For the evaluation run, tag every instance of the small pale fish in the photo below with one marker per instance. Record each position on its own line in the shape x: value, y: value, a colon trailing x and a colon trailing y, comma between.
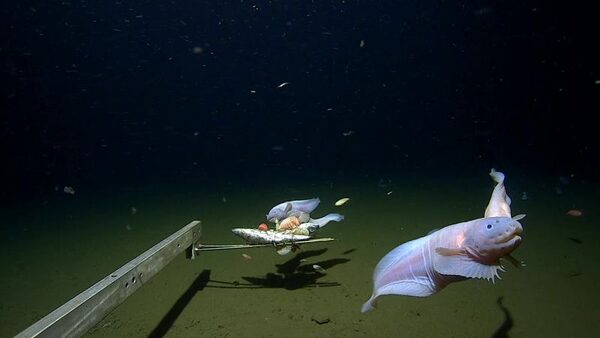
x: 575, y: 213
x: 283, y: 85
x: 322, y: 221
x: 285, y: 209
x: 473, y: 249
x: 246, y: 257
x: 284, y: 250
x: 342, y: 201
x: 319, y: 269
x: 69, y: 190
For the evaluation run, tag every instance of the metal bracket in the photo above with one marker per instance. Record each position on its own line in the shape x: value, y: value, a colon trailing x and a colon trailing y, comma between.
x: 78, y: 315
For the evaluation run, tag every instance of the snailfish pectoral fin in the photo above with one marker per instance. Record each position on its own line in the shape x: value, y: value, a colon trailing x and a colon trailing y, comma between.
x: 519, y: 217
x: 450, y: 263
x: 288, y: 208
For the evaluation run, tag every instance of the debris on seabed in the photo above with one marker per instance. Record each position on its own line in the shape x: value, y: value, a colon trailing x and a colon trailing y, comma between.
x: 319, y: 269
x: 342, y: 201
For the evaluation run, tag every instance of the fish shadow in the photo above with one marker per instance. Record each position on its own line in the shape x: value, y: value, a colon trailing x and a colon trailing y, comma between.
x: 349, y: 251
x: 293, y: 274
x: 507, y: 324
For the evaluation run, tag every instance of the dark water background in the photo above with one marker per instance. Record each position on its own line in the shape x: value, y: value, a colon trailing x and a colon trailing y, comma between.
x: 160, y: 103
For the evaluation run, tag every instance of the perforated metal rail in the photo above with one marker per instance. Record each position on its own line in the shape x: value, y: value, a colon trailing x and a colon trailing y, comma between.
x: 78, y: 315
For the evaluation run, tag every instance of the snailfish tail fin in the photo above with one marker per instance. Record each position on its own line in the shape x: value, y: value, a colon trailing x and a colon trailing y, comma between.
x: 369, y: 305
x: 497, y: 176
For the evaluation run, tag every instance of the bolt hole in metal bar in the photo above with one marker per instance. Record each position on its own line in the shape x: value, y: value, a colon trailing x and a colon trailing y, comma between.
x: 81, y: 313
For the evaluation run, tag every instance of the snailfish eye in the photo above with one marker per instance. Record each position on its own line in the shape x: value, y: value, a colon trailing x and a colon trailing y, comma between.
x: 489, y: 226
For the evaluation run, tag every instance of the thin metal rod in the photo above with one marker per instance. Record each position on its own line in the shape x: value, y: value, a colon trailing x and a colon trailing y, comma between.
x: 213, y: 247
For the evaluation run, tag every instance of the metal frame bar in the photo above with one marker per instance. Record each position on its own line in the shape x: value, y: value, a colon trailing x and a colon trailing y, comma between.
x: 78, y: 315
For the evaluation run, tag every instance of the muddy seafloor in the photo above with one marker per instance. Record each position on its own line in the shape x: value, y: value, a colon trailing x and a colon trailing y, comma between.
x: 58, y: 247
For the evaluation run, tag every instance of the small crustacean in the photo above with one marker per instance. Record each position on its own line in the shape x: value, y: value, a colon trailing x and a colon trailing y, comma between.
x: 289, y: 223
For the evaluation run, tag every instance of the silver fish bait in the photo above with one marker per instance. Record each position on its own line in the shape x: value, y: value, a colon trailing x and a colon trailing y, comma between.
x: 255, y: 236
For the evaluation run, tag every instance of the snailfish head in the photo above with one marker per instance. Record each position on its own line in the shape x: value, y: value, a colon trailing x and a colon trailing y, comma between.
x: 490, y: 238
x: 275, y: 214
x: 279, y: 212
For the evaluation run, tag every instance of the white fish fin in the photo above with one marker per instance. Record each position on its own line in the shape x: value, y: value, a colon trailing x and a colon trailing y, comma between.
x: 497, y: 176
x: 284, y: 250
x: 499, y: 204
x: 420, y: 287
x: 463, y: 265
x: 519, y: 217
x: 369, y: 305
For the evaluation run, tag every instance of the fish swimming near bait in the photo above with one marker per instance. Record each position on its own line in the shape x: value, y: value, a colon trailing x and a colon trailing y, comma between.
x: 290, y: 208
x: 322, y: 221
x: 289, y: 215
x: 308, y: 228
x: 472, y: 249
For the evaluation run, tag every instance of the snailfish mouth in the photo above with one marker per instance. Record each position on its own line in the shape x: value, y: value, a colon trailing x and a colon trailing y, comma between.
x: 518, y: 230
x: 511, y: 243
x: 508, y: 237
